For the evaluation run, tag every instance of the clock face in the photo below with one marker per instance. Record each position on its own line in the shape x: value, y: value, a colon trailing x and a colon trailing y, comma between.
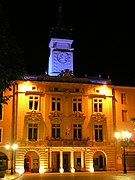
x: 62, y: 57
x: 61, y: 60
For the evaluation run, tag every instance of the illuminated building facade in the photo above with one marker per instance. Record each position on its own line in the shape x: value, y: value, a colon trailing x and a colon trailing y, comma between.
x: 65, y: 123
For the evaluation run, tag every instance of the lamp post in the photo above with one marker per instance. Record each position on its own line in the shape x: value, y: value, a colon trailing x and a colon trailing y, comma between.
x: 124, y: 137
x: 13, y: 148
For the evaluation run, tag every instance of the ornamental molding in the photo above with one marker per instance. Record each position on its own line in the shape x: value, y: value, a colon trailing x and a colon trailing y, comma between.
x: 56, y: 116
x: 78, y: 117
x: 33, y: 116
x: 98, y: 118
x: 66, y: 73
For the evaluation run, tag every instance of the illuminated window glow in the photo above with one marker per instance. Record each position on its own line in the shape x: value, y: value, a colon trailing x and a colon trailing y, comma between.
x: 104, y: 90
x: 72, y: 170
x: 61, y: 170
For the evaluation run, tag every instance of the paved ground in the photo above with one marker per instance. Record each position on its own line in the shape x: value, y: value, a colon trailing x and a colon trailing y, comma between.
x: 75, y: 176
x: 9, y: 177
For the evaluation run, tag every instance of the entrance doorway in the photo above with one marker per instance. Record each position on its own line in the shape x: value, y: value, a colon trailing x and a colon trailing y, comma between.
x: 99, y: 161
x: 56, y: 161
x: 31, y: 162
x: 66, y: 161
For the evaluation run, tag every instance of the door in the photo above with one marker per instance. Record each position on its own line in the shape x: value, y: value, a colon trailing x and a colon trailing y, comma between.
x: 66, y: 161
x: 99, y: 161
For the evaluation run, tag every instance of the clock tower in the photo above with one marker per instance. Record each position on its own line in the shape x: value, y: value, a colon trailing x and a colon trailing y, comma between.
x: 61, y: 56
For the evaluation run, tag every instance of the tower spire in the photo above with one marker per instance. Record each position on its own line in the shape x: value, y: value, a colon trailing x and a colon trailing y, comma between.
x: 59, y: 30
x: 60, y: 17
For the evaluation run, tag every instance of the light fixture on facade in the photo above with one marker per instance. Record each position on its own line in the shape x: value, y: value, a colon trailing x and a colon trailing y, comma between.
x: 12, y: 147
x: 124, y: 138
x: 61, y: 170
x: 72, y: 170
x: 91, y: 169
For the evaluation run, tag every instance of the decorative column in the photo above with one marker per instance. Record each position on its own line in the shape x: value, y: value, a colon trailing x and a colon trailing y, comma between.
x: 61, y: 162
x: 72, y: 161
x: 82, y: 160
x: 50, y: 161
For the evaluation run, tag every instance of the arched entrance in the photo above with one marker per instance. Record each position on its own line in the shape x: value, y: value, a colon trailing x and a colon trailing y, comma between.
x: 130, y: 161
x: 31, y: 162
x: 99, y: 161
x: 3, y: 161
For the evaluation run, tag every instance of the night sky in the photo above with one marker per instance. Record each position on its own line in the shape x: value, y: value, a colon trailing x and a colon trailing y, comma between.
x: 103, y: 35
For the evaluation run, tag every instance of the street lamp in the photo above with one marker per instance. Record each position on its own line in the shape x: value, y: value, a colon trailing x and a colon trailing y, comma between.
x: 13, y: 148
x: 124, y: 137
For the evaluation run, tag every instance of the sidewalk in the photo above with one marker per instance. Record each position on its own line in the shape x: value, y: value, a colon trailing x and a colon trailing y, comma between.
x: 9, y: 176
x: 16, y: 175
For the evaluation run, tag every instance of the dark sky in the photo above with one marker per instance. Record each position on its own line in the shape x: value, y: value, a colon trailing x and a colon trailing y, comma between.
x: 103, y: 35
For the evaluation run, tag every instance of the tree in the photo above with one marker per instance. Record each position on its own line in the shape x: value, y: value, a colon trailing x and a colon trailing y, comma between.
x: 11, y: 57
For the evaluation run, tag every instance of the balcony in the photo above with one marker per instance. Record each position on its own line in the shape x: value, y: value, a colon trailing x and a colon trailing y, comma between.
x: 67, y: 142
x: 59, y: 142
x: 32, y: 143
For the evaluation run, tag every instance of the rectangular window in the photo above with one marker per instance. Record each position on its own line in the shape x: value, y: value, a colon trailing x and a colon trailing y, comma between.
x: 34, y: 88
x: 123, y: 98
x: 77, y: 90
x: 0, y: 135
x: 97, y: 105
x: 98, y: 133
x: 56, y: 89
x: 32, y: 132
x: 56, y: 104
x: 77, y: 104
x: 77, y: 131
x: 56, y: 130
x: 34, y: 103
x: 124, y: 115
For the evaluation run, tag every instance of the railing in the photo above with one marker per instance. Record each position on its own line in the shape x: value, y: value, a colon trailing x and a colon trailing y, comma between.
x: 32, y: 143
x: 67, y: 143
x: 102, y: 143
